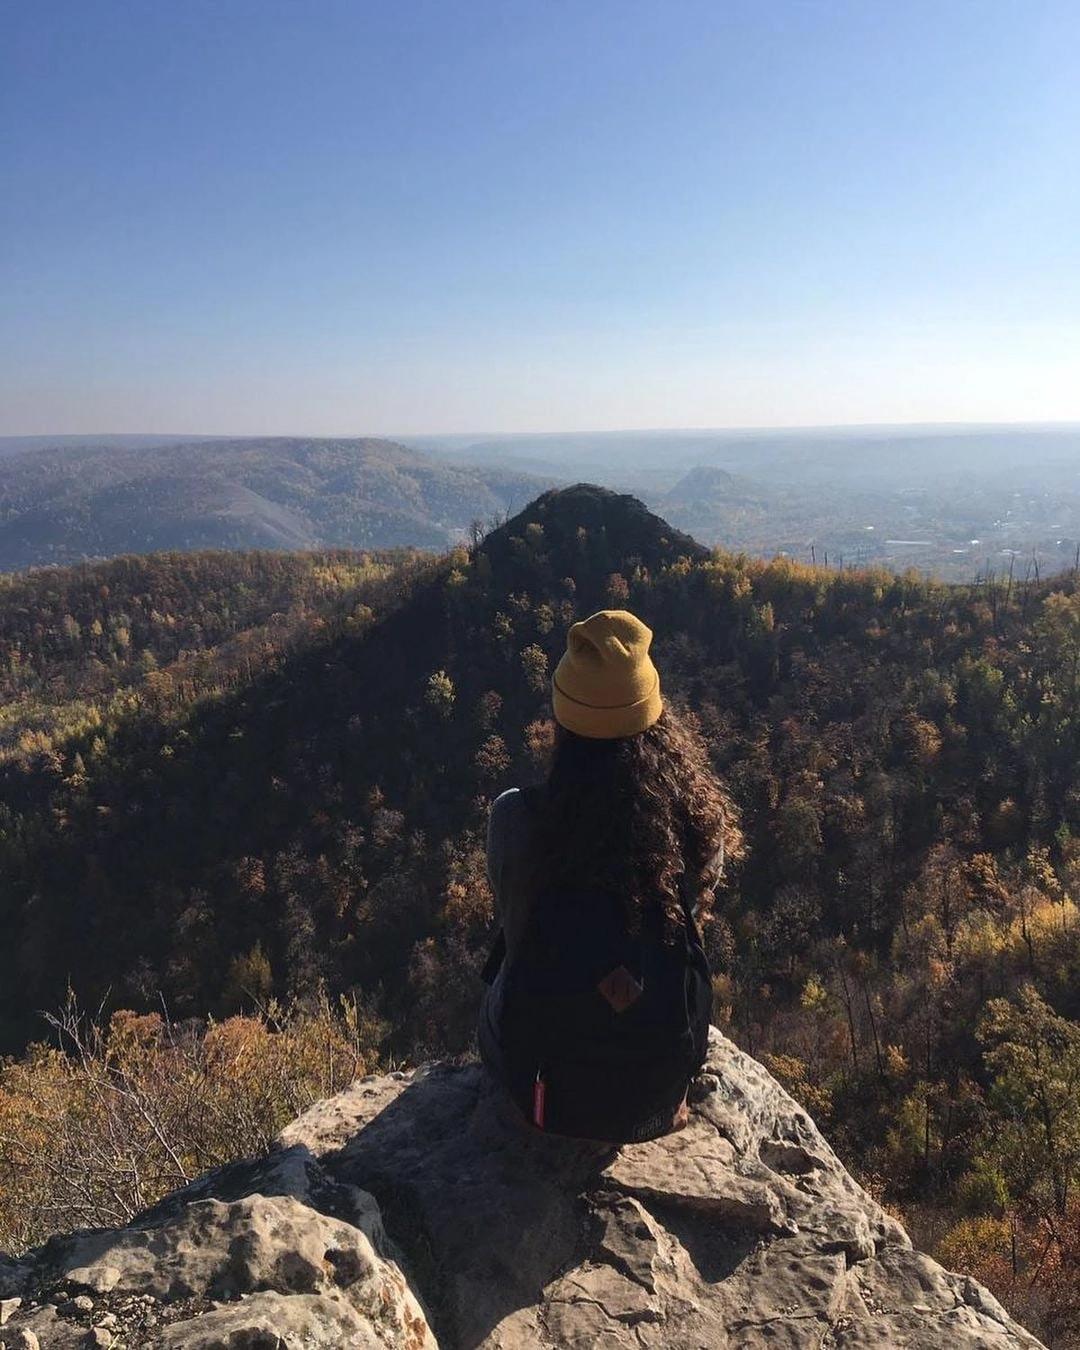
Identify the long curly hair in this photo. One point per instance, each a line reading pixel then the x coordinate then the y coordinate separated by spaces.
pixel 636 814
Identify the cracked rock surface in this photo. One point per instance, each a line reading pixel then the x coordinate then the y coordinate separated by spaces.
pixel 743 1230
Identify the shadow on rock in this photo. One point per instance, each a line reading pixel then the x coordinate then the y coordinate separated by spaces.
pixel 486 1210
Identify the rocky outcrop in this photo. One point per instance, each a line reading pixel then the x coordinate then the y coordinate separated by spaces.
pixel 742 1230
pixel 259 1255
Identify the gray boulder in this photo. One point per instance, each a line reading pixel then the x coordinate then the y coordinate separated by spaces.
pixel 269 1255
pixel 742 1230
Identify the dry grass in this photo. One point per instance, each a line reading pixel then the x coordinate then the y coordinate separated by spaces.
pixel 109 1117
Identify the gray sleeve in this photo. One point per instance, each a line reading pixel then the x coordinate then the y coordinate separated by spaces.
pixel 499 817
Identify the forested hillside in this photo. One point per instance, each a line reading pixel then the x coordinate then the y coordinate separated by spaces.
pixel 277 782
pixel 64 503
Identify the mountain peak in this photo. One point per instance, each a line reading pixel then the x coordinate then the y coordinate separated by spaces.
pixel 630 526
pixel 587 532
pixel 709 478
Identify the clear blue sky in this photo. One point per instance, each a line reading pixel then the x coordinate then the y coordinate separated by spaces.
pixel 339 217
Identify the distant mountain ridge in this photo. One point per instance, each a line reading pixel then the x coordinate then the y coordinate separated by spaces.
pixel 979 499
pixel 62 503
pixel 957 502
pixel 17 445
pixel 895 457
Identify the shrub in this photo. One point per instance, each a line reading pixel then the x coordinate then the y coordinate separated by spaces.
pixel 100 1126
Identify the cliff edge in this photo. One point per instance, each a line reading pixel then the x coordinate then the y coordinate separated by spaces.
pixel 413 1211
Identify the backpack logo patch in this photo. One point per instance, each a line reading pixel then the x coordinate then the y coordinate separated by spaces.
pixel 620 989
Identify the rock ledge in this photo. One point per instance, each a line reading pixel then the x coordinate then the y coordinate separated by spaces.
pixel 743 1230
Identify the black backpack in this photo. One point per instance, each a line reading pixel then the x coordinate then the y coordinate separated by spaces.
pixel 596 1031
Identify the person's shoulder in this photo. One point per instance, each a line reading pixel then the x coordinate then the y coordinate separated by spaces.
pixel 512 809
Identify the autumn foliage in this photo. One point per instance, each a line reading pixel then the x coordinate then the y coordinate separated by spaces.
pixel 227 807
pixel 105 1119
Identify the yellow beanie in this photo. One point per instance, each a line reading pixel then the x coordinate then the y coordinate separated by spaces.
pixel 606 685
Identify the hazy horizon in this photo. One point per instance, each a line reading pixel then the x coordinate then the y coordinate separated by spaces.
pixel 421 219
pixel 501 433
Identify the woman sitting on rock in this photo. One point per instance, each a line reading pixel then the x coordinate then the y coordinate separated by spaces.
pixel 598 1009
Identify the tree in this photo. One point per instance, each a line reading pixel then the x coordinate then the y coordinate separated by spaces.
pixel 534 665
pixel 249 984
pixel 1059 628
pixel 1034 1055
pixel 798 837
pixel 492 759
pixel 439 693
